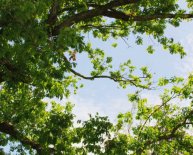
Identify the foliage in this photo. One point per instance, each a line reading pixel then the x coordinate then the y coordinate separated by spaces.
pixel 39 41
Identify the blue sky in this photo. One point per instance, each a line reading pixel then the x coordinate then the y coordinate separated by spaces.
pixel 105 97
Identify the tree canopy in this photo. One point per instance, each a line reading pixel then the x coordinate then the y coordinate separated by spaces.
pixel 39 41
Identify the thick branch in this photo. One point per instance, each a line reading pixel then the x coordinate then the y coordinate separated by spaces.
pixel 127 17
pixel 8 128
pixel 101 26
pixel 98 11
pixel 53 13
pixel 108 11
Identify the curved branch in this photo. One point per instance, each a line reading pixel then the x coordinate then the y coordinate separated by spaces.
pixel 9 129
pixel 184 122
pixel 174 130
pixel 108 11
pixel 102 77
pixel 154 111
pixel 172 133
pixel 97 11
pixel 120 79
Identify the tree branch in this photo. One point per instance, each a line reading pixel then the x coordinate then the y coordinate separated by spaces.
pixel 181 123
pixel 101 26
pixel 126 17
pixel 119 79
pixel 53 13
pixel 8 128
pixel 108 11
pixel 172 134
pixel 154 111
pixel 98 11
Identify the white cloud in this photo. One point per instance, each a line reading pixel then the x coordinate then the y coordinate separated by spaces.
pixel 185 66
pixel 152 97
pixel 84 106
pixel 110 108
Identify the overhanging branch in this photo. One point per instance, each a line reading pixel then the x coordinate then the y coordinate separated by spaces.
pixel 126 17
pixel 109 11
pixel 98 11
pixel 9 129
pixel 116 79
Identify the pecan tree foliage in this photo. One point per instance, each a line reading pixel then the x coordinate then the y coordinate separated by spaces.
pixel 39 41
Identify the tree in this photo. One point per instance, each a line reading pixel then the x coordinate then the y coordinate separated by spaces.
pixel 39 41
